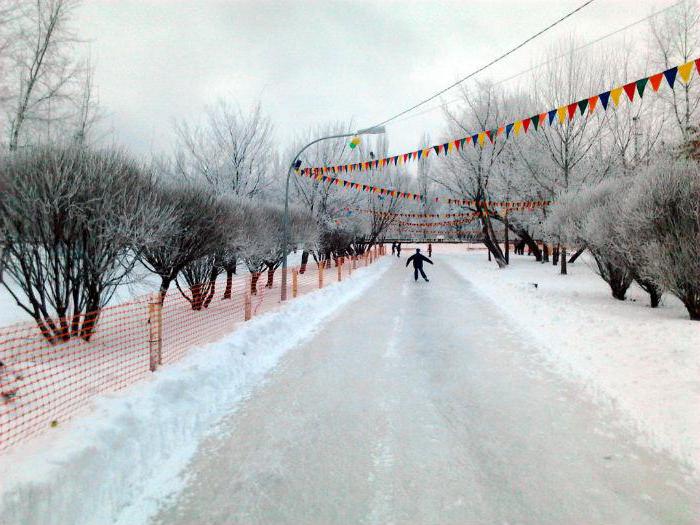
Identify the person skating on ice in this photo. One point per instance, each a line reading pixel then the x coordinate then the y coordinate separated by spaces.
pixel 418 259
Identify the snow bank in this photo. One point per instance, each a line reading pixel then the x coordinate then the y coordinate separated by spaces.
pixel 115 463
pixel 644 363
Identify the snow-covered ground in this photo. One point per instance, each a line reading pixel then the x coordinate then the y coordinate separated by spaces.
pixel 639 365
pixel 642 362
pixel 131 444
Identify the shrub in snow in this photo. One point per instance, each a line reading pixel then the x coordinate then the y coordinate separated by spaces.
pixel 663 216
pixel 70 221
pixel 262 248
pixel 196 232
pixel 587 219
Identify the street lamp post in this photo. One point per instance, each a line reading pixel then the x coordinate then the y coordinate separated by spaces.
pixel 296 163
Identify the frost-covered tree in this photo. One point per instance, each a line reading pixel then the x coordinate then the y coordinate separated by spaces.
pixel 662 215
pixel 72 222
pixel 675 39
pixel 196 232
pixel 557 157
pixel 468 173
pixel 262 247
pixel 231 150
pixel 584 218
pixel 47 92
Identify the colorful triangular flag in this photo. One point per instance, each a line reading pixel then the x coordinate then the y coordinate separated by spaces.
pixel 641 84
pixel 670 75
pixel 685 71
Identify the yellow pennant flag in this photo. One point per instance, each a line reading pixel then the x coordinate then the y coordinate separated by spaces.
pixel 685 71
pixel 450 145
pixel 561 114
pixel 615 95
pixel 481 138
pixel 517 127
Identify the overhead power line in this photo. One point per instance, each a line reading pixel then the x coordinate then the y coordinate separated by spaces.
pixel 504 55
pixel 553 59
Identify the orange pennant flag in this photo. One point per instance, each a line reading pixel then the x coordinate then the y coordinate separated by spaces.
pixel 592 103
pixel 655 81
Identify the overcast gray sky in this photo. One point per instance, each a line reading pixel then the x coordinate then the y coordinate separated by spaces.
pixel 309 62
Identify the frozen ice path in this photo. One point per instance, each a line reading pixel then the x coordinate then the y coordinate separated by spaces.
pixel 419 404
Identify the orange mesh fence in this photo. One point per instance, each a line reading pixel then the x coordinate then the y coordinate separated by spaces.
pixel 43 383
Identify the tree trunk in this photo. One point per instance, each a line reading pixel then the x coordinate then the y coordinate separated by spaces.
pixel 491 243
pixel 211 290
pixel 229 284
pixel 254 276
pixel 555 255
pixel 164 285
pixel 521 232
pixel 304 261
pixel 545 253
pixel 655 292
pixel 505 233
pixel 90 322
pixel 563 260
pixel 270 276
pixel 692 304
pixel 197 297
pixel 618 277
pixel 577 255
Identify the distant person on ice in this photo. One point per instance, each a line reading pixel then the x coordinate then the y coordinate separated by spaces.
pixel 418 259
pixel 398 249
pixel 393 248
pixel 430 250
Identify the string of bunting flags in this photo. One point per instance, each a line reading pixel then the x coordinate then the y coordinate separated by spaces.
pixel 417 196
pixel 551 117
pixel 441 223
pixel 409 215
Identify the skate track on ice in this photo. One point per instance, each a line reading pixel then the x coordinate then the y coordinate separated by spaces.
pixel 418 403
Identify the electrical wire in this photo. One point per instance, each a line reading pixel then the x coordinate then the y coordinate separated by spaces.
pixel 516 75
pixel 482 68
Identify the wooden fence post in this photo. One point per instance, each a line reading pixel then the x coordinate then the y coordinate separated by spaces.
pixel 320 274
pixel 247 306
pixel 295 282
pixel 155 332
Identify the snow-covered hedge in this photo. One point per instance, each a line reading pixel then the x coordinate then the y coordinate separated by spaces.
pixel 644 228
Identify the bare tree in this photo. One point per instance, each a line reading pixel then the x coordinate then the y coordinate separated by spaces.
pixel 43 65
pixel 195 231
pixel 72 221
pixel 675 39
pixel 262 249
pixel 468 174
pixel 557 157
pixel 231 150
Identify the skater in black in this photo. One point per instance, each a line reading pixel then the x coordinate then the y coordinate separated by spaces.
pixel 393 248
pixel 430 250
pixel 418 259
pixel 398 249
